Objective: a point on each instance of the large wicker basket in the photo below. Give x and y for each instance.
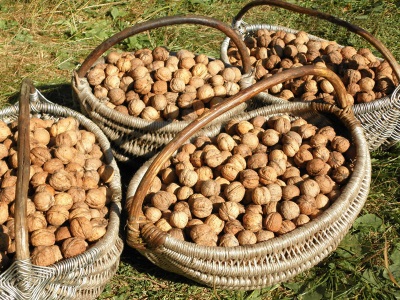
(379, 118)
(132, 136)
(273, 261)
(80, 277)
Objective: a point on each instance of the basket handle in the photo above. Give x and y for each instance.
(311, 12)
(21, 229)
(154, 236)
(161, 22)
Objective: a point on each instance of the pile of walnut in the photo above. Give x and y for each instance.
(366, 78)
(259, 180)
(68, 197)
(155, 85)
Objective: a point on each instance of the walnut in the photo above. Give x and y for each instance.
(183, 193)
(267, 175)
(252, 221)
(286, 227)
(243, 150)
(325, 183)
(340, 174)
(307, 130)
(42, 237)
(290, 192)
(177, 233)
(246, 237)
(184, 207)
(264, 235)
(290, 149)
(249, 178)
(210, 188)
(261, 195)
(302, 157)
(275, 190)
(215, 223)
(230, 171)
(309, 187)
(340, 144)
(228, 240)
(336, 159)
(78, 194)
(258, 160)
(81, 227)
(62, 233)
(213, 158)
(179, 219)
(99, 229)
(235, 191)
(301, 220)
(289, 210)
(250, 139)
(306, 204)
(201, 207)
(188, 177)
(43, 201)
(96, 198)
(203, 234)
(290, 172)
(273, 222)
(228, 210)
(73, 246)
(36, 221)
(162, 200)
(46, 255)
(321, 152)
(153, 214)
(57, 215)
(244, 127)
(225, 142)
(316, 167)
(150, 113)
(39, 155)
(163, 225)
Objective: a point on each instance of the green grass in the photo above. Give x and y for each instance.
(46, 42)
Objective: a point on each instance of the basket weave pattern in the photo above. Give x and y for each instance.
(379, 118)
(278, 259)
(133, 136)
(83, 276)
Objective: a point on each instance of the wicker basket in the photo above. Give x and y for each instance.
(278, 259)
(379, 117)
(133, 136)
(80, 277)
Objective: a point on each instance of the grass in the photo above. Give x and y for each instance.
(46, 42)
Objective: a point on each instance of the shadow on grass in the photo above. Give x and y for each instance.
(60, 94)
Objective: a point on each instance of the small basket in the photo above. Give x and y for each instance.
(379, 118)
(273, 261)
(83, 276)
(133, 136)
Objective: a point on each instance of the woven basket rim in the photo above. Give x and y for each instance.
(112, 234)
(84, 92)
(276, 243)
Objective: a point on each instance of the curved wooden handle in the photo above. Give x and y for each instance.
(353, 28)
(136, 213)
(166, 21)
(21, 228)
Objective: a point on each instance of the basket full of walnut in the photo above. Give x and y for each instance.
(269, 197)
(370, 82)
(60, 208)
(142, 99)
